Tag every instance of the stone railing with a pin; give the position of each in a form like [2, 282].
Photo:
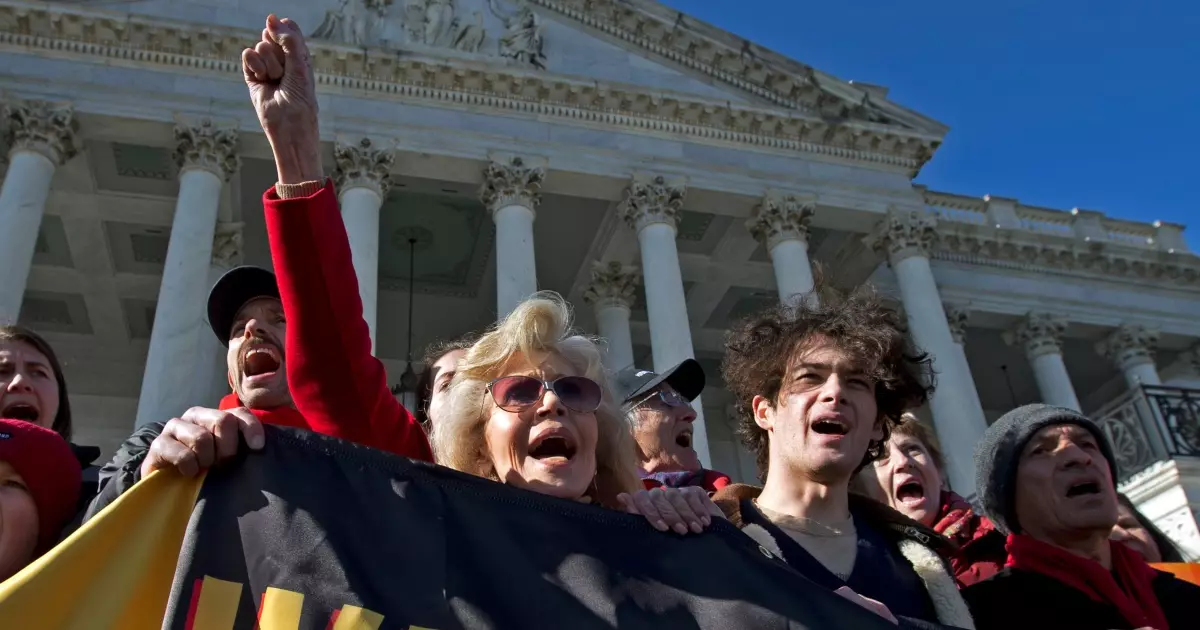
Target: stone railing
[1150, 424]
[1077, 224]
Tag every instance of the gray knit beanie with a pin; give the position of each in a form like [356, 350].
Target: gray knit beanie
[999, 452]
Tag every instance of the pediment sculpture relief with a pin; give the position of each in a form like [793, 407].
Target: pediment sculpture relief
[438, 24]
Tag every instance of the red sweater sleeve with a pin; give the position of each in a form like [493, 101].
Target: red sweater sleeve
[336, 383]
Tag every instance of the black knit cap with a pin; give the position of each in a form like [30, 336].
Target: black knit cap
[999, 452]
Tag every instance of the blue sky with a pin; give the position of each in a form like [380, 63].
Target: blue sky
[1058, 103]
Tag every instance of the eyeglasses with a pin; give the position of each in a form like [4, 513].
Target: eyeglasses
[514, 393]
[668, 397]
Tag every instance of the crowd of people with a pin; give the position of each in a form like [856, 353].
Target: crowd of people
[853, 495]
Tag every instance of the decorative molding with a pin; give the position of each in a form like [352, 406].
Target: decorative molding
[207, 147]
[1040, 333]
[613, 284]
[227, 244]
[1128, 346]
[957, 316]
[45, 128]
[363, 165]
[91, 36]
[511, 182]
[651, 199]
[782, 217]
[904, 233]
[1040, 252]
[522, 41]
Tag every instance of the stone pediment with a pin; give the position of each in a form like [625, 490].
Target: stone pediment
[628, 64]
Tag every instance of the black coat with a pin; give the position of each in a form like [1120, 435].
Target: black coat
[124, 470]
[1032, 601]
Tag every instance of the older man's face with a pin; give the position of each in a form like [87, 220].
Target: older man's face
[1064, 486]
[663, 427]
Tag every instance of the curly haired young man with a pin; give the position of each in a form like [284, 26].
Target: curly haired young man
[818, 388]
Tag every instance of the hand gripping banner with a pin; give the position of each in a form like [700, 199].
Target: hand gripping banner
[321, 534]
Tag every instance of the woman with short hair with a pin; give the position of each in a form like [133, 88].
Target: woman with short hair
[530, 406]
[911, 478]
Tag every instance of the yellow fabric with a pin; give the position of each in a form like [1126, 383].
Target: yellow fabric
[114, 572]
[356, 618]
[303, 189]
[218, 604]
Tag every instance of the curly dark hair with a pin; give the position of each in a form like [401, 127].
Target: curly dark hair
[433, 353]
[760, 350]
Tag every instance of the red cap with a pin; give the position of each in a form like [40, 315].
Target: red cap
[50, 470]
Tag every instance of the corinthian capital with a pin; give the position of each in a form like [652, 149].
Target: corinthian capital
[652, 199]
[205, 146]
[227, 244]
[782, 217]
[957, 316]
[511, 182]
[363, 165]
[1129, 345]
[904, 233]
[613, 284]
[46, 128]
[1039, 333]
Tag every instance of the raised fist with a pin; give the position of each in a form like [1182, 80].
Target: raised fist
[279, 73]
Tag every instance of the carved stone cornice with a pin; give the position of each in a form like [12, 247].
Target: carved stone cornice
[92, 36]
[957, 316]
[781, 217]
[613, 284]
[651, 199]
[45, 128]
[904, 233]
[1039, 333]
[511, 182]
[363, 165]
[1128, 346]
[227, 244]
[206, 146]
[1018, 249]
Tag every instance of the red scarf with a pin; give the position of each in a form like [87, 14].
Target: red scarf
[279, 416]
[1128, 586]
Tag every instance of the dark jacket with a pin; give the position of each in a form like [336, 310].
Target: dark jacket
[124, 470]
[920, 546]
[1031, 601]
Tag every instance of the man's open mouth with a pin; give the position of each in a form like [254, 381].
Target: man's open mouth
[260, 359]
[828, 426]
[21, 411]
[684, 438]
[554, 443]
[1083, 488]
[910, 492]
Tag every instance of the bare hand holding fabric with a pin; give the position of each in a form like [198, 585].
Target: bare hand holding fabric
[678, 509]
[201, 438]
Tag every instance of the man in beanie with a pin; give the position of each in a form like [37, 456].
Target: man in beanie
[1047, 479]
[659, 410]
[39, 487]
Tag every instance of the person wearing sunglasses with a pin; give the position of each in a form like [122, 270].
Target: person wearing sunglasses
[530, 406]
[659, 410]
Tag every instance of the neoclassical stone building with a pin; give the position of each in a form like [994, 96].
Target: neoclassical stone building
[666, 176]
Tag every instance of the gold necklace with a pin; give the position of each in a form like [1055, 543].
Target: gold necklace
[801, 523]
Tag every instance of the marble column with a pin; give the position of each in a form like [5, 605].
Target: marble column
[211, 381]
[42, 137]
[207, 157]
[511, 192]
[1131, 349]
[651, 207]
[363, 179]
[906, 238]
[957, 317]
[1041, 336]
[612, 293]
[780, 223]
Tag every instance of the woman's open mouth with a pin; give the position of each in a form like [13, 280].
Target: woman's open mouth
[21, 411]
[554, 446]
[910, 492]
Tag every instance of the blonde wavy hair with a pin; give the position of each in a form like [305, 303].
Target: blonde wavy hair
[538, 328]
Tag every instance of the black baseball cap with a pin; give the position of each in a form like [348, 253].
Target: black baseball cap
[687, 378]
[237, 287]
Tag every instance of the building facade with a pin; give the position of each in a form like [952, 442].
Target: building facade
[665, 176]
